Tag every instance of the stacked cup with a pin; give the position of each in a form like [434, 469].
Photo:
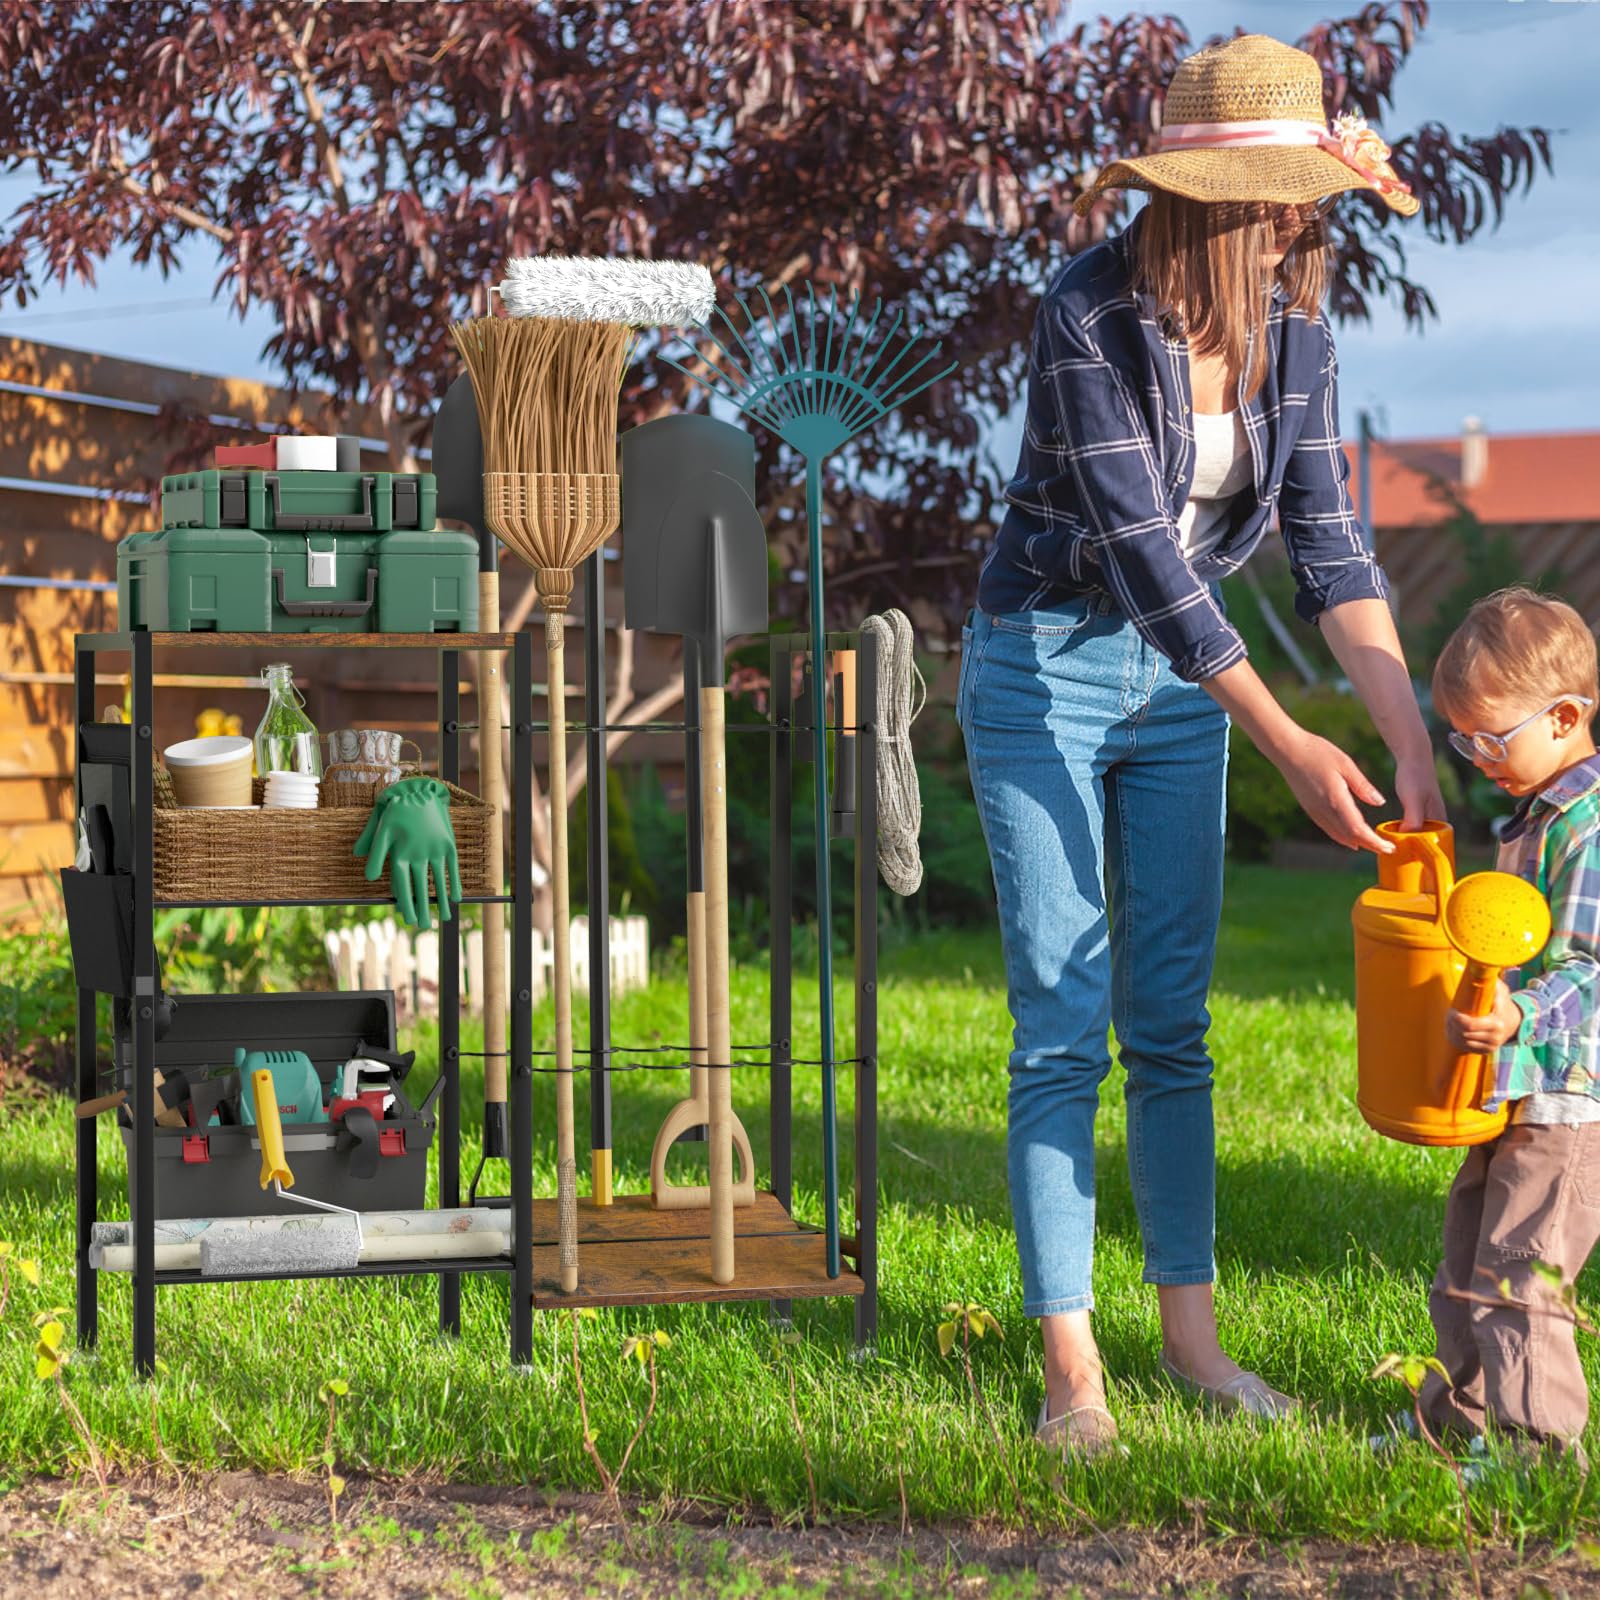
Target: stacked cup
[295, 790]
[211, 772]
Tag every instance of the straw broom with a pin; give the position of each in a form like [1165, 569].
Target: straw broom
[546, 380]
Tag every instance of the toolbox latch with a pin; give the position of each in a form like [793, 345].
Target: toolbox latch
[233, 502]
[196, 1149]
[407, 503]
[322, 566]
[391, 1141]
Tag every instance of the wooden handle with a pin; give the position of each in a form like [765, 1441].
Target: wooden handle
[697, 1000]
[104, 1102]
[719, 1037]
[491, 784]
[844, 667]
[566, 1151]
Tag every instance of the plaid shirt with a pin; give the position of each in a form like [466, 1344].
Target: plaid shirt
[1108, 449]
[1553, 840]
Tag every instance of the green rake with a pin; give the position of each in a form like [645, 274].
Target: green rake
[817, 391]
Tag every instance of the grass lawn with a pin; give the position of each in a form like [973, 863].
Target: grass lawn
[1327, 1238]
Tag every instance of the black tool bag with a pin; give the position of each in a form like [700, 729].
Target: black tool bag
[214, 1171]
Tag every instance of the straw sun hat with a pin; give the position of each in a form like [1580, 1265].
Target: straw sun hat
[1244, 121]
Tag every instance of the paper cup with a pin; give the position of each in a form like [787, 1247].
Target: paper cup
[210, 772]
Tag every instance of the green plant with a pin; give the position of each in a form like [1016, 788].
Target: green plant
[969, 1321]
[50, 1358]
[1412, 1371]
[330, 1394]
[785, 1343]
[641, 1348]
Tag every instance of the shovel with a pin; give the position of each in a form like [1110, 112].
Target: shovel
[458, 470]
[695, 564]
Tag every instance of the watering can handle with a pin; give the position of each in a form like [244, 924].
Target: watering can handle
[1444, 878]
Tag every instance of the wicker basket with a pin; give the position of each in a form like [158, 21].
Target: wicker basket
[354, 783]
[278, 853]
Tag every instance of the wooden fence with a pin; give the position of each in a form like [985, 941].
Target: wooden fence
[385, 955]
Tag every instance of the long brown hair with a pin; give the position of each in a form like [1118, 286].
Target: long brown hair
[1202, 261]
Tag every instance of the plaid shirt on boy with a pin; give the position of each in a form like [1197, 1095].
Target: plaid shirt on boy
[1553, 840]
[1108, 451]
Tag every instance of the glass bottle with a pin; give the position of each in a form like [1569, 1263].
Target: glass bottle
[286, 741]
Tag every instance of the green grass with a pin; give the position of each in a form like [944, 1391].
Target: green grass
[1327, 1236]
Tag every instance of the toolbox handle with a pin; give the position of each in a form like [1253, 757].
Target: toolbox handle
[324, 608]
[357, 522]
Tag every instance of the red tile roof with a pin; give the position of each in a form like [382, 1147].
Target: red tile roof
[1531, 477]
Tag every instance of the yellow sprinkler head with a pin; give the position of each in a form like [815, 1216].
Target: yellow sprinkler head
[1497, 919]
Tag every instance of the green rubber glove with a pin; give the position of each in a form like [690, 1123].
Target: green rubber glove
[411, 823]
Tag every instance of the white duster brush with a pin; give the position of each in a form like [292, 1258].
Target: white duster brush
[638, 294]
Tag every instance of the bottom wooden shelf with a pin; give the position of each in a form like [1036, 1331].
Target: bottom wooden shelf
[630, 1254]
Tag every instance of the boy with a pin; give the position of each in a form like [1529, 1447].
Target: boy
[1517, 681]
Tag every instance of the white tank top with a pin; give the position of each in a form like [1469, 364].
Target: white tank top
[1221, 470]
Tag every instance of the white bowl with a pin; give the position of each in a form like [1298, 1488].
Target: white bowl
[206, 752]
[273, 803]
[292, 780]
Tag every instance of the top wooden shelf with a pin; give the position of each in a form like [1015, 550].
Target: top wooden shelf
[308, 641]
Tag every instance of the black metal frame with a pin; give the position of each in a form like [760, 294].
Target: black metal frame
[139, 647]
[861, 1245]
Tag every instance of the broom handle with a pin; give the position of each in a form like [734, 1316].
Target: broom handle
[492, 782]
[566, 1153]
[719, 1036]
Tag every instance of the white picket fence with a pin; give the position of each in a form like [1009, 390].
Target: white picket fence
[386, 955]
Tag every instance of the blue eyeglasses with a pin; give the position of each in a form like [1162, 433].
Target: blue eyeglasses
[1493, 746]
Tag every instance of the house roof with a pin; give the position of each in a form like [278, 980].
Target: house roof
[1529, 477]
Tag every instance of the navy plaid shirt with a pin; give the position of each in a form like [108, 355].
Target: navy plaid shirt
[1108, 452]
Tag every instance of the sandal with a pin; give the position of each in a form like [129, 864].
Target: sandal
[1243, 1392]
[1084, 1431]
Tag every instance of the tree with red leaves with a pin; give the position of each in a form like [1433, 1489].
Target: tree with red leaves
[364, 172]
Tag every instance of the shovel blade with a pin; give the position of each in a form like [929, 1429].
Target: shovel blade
[660, 460]
[458, 462]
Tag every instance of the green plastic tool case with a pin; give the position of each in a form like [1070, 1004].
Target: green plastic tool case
[298, 552]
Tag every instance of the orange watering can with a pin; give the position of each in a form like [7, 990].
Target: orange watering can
[1426, 944]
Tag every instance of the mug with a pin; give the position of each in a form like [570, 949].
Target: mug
[367, 747]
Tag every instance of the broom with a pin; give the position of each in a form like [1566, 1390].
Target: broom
[547, 380]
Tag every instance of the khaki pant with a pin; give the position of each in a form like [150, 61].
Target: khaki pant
[1531, 1195]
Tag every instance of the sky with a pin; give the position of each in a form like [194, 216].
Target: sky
[1517, 342]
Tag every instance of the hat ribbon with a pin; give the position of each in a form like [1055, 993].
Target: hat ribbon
[1350, 140]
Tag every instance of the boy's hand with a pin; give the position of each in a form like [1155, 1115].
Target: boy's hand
[1479, 1035]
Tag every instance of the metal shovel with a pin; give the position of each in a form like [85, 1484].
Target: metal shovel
[695, 564]
[458, 470]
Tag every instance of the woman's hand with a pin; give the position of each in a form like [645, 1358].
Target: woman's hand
[1479, 1035]
[1331, 789]
[1416, 787]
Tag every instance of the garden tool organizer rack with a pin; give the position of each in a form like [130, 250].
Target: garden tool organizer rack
[630, 1252]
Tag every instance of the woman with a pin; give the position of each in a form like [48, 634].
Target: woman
[1181, 391]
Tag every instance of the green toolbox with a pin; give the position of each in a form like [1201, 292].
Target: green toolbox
[298, 552]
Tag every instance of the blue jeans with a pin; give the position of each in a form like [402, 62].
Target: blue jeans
[1100, 778]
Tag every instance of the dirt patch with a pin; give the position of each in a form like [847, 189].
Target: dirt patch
[240, 1534]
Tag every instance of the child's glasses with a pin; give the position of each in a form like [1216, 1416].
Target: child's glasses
[1492, 746]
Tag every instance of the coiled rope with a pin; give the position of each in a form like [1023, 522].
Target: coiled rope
[899, 795]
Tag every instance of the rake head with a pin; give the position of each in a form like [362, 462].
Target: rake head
[812, 383]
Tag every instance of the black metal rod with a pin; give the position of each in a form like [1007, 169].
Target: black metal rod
[450, 997]
[87, 1152]
[780, 1114]
[521, 1087]
[594, 689]
[866, 964]
[142, 1198]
